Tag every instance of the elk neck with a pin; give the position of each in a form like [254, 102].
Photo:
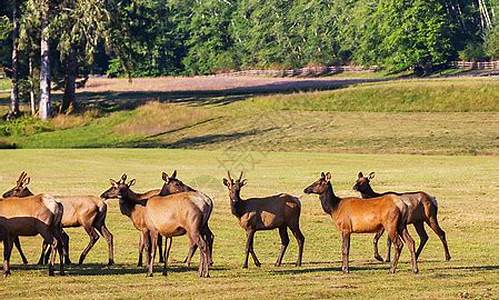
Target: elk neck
[237, 204]
[329, 201]
[128, 202]
[369, 193]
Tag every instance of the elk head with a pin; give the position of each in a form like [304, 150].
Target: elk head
[234, 187]
[173, 185]
[21, 189]
[118, 188]
[320, 185]
[362, 184]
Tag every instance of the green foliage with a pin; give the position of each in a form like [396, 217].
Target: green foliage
[23, 126]
[491, 42]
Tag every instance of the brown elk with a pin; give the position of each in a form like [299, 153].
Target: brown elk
[172, 185]
[169, 216]
[30, 216]
[422, 208]
[85, 211]
[137, 217]
[355, 215]
[280, 211]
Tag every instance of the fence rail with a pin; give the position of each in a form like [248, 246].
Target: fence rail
[475, 65]
[303, 72]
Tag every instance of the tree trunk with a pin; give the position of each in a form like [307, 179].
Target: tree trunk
[44, 107]
[32, 85]
[71, 69]
[14, 94]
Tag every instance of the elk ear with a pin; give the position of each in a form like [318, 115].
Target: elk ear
[27, 181]
[360, 175]
[243, 182]
[174, 174]
[113, 183]
[322, 175]
[164, 176]
[124, 177]
[225, 182]
[131, 183]
[371, 175]
[328, 176]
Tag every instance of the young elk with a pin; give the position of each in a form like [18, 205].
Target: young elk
[355, 215]
[136, 215]
[279, 211]
[422, 208]
[169, 216]
[84, 211]
[30, 216]
[173, 185]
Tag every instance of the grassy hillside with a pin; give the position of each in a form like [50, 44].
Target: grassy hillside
[428, 116]
[458, 182]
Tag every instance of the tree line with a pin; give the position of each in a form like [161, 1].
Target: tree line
[53, 42]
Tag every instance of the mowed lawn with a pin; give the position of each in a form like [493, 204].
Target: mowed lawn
[466, 188]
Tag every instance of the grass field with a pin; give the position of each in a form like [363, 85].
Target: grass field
[419, 116]
[465, 186]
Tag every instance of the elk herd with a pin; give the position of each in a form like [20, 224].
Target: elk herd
[177, 209]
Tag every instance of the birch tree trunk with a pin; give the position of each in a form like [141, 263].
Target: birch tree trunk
[32, 85]
[44, 107]
[14, 94]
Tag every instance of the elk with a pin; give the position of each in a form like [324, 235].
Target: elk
[172, 185]
[169, 216]
[422, 208]
[280, 211]
[355, 215]
[137, 217]
[30, 216]
[85, 211]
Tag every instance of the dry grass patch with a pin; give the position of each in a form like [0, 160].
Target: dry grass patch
[70, 121]
[155, 118]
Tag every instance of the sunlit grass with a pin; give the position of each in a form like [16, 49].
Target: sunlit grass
[466, 188]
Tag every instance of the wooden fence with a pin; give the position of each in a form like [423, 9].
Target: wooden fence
[475, 65]
[302, 72]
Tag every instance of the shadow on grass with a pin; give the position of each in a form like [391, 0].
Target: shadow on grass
[117, 269]
[111, 101]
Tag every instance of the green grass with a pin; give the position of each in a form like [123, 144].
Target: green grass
[424, 116]
[4, 84]
[459, 183]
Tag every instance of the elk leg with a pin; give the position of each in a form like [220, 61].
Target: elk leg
[93, 239]
[377, 236]
[191, 251]
[109, 239]
[7, 251]
[433, 223]
[63, 240]
[153, 238]
[285, 240]
[398, 245]
[166, 254]
[250, 234]
[199, 240]
[346, 244]
[210, 240]
[411, 247]
[142, 243]
[300, 241]
[17, 243]
[160, 246]
[419, 227]
[42, 255]
[254, 256]
[388, 254]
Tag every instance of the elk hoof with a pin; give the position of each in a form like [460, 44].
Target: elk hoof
[378, 257]
[6, 273]
[62, 273]
[257, 264]
[51, 273]
[277, 264]
[245, 267]
[164, 273]
[387, 259]
[415, 270]
[111, 262]
[345, 270]
[298, 264]
[25, 262]
[392, 270]
[149, 275]
[448, 257]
